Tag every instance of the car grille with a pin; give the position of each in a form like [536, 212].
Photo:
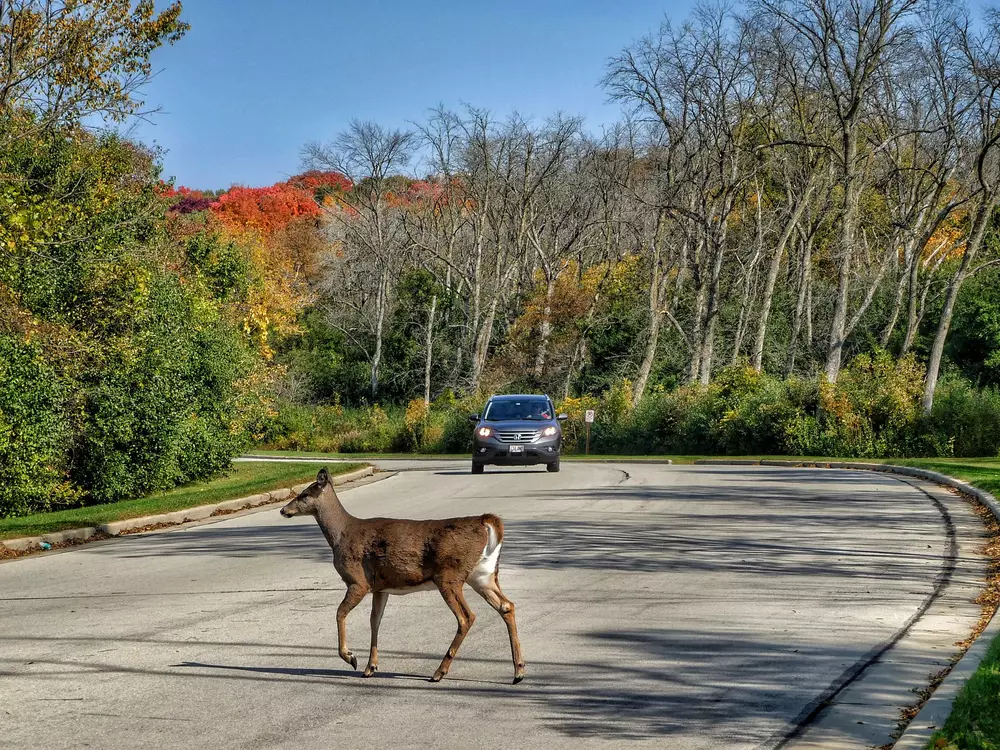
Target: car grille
[517, 437]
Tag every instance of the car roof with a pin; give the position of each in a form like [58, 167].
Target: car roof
[516, 396]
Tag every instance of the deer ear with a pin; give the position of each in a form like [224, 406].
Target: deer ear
[323, 477]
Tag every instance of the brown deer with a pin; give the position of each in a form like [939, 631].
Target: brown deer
[397, 556]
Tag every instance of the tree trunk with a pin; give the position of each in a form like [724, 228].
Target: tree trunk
[712, 307]
[380, 305]
[800, 304]
[697, 343]
[954, 287]
[835, 347]
[707, 352]
[757, 359]
[746, 300]
[545, 327]
[483, 339]
[897, 305]
[429, 350]
[655, 316]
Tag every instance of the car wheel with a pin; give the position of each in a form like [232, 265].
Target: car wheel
[554, 466]
[477, 468]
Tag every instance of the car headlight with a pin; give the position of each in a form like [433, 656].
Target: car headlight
[549, 431]
[485, 432]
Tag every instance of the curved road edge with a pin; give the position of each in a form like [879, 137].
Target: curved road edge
[937, 707]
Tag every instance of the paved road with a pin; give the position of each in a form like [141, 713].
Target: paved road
[694, 607]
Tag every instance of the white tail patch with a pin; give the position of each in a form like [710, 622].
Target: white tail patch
[488, 561]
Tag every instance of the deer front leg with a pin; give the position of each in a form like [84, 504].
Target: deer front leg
[452, 593]
[355, 593]
[378, 607]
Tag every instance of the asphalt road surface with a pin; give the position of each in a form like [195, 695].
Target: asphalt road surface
[689, 607]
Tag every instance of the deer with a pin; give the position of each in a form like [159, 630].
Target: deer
[394, 556]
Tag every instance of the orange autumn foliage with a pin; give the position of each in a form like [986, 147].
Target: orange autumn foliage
[264, 210]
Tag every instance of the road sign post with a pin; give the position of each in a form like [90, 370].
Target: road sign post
[588, 417]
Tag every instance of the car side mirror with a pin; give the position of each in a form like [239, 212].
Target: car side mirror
[473, 417]
[561, 417]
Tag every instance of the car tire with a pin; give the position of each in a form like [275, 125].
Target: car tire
[554, 466]
[477, 468]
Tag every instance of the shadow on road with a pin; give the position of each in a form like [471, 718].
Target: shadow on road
[782, 531]
[645, 684]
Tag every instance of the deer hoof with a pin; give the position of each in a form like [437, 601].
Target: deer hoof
[437, 676]
[369, 671]
[354, 662]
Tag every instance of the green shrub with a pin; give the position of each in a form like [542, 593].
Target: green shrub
[33, 433]
[123, 367]
[873, 411]
[966, 418]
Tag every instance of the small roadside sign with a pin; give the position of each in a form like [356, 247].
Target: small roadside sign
[588, 417]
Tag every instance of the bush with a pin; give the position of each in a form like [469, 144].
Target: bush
[965, 419]
[873, 411]
[123, 368]
[33, 433]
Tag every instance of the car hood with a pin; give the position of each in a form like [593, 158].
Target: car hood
[521, 425]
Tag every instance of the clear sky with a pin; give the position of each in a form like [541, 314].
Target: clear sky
[255, 79]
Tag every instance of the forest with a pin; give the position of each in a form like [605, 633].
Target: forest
[786, 245]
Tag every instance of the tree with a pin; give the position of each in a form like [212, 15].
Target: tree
[367, 225]
[67, 60]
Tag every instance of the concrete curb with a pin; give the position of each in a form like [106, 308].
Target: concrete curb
[175, 518]
[640, 461]
[935, 711]
[317, 459]
[342, 460]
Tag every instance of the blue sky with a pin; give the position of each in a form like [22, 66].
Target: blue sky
[254, 80]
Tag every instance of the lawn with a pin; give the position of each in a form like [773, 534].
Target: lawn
[982, 472]
[974, 723]
[242, 480]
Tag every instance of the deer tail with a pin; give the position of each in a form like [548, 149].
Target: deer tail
[494, 531]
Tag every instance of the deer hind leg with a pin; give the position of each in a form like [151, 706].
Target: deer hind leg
[490, 590]
[453, 597]
[378, 607]
[355, 593]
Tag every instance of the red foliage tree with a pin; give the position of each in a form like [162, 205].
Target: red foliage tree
[315, 180]
[266, 209]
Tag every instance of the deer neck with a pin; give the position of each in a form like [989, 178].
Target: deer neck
[332, 517]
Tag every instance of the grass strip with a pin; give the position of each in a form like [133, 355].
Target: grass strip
[974, 723]
[242, 480]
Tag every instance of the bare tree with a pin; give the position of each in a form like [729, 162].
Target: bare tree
[369, 228]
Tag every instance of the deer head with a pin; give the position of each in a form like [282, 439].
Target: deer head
[307, 501]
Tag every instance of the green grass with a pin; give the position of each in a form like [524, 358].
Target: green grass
[354, 456]
[983, 472]
[974, 723]
[242, 480]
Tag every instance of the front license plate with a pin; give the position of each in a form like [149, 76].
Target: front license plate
[517, 449]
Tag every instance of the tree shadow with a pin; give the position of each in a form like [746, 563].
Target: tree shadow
[722, 688]
[776, 531]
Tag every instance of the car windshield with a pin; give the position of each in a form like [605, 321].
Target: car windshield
[518, 409]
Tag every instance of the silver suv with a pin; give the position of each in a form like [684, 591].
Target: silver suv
[520, 430]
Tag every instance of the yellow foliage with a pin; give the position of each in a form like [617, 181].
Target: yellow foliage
[417, 413]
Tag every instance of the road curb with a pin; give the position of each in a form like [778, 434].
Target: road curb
[319, 459]
[937, 708]
[344, 460]
[174, 518]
